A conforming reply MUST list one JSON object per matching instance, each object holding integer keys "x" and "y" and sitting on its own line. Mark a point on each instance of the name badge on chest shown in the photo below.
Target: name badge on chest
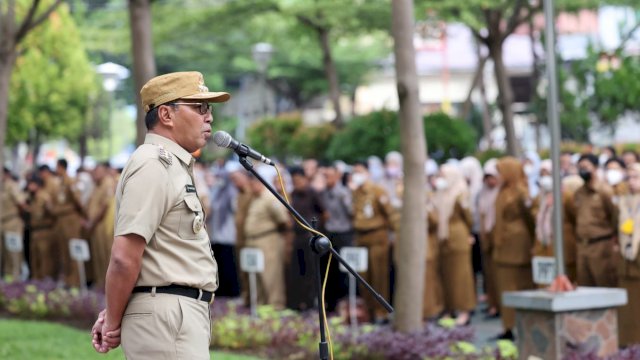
{"x": 198, "y": 221}
{"x": 190, "y": 189}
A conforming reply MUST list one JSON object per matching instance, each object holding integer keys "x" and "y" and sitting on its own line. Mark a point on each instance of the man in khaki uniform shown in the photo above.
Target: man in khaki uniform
{"x": 241, "y": 181}
{"x": 50, "y": 185}
{"x": 162, "y": 273}
{"x": 595, "y": 220}
{"x": 69, "y": 213}
{"x": 373, "y": 218}
{"x": 12, "y": 203}
{"x": 265, "y": 222}
{"x": 41, "y": 227}
{"x": 96, "y": 227}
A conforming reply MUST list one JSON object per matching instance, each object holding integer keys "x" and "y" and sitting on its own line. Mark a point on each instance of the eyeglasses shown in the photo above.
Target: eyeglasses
{"x": 203, "y": 107}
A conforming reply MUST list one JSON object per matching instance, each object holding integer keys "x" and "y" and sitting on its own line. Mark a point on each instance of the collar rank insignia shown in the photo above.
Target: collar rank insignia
{"x": 164, "y": 156}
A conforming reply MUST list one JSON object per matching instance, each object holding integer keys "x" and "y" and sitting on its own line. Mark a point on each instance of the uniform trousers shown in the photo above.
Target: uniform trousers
{"x": 596, "y": 264}
{"x": 68, "y": 227}
{"x": 271, "y": 285}
{"x": 489, "y": 273}
{"x": 41, "y": 247}
{"x": 433, "y": 303}
{"x": 377, "y": 275}
{"x": 166, "y": 326}
{"x": 11, "y": 261}
{"x": 512, "y": 278}
{"x": 629, "y": 314}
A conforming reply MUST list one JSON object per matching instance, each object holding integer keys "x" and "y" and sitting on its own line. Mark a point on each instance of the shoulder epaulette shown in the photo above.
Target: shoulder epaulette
{"x": 164, "y": 156}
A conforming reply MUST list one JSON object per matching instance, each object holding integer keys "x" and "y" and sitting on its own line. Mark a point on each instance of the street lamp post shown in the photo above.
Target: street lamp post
{"x": 261, "y": 53}
{"x": 112, "y": 74}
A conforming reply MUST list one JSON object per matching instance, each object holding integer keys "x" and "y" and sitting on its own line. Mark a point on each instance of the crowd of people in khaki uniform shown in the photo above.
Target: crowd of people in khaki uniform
{"x": 485, "y": 222}
{"x": 499, "y": 212}
{"x": 48, "y": 210}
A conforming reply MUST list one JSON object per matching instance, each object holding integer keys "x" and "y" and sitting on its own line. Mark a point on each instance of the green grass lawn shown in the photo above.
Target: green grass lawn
{"x": 33, "y": 340}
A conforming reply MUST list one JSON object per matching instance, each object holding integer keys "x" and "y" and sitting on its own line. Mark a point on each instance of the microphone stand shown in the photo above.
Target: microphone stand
{"x": 320, "y": 245}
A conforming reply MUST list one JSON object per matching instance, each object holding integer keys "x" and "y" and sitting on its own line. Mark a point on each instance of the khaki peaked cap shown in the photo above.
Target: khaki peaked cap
{"x": 187, "y": 85}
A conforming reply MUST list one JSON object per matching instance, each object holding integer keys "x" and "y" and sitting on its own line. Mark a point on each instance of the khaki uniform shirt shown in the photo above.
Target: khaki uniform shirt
{"x": 593, "y": 213}
{"x": 39, "y": 210}
{"x": 265, "y": 215}
{"x": 156, "y": 199}
{"x": 67, "y": 200}
{"x": 372, "y": 208}
{"x": 11, "y": 197}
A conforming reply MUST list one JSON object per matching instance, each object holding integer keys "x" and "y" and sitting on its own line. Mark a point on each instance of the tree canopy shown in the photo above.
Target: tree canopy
{"x": 51, "y": 83}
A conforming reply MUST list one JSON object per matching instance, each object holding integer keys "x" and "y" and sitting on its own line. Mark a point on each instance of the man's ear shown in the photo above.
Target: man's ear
{"x": 166, "y": 115}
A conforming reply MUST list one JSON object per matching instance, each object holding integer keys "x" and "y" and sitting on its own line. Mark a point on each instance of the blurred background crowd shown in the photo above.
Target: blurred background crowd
{"x": 485, "y": 224}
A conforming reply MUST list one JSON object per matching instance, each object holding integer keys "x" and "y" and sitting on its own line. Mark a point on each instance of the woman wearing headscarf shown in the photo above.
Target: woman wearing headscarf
{"x": 451, "y": 202}
{"x": 432, "y": 305}
{"x": 629, "y": 261}
{"x": 544, "y": 241}
{"x": 531, "y": 167}
{"x": 513, "y": 237}
{"x": 473, "y": 174}
{"x": 487, "y": 213}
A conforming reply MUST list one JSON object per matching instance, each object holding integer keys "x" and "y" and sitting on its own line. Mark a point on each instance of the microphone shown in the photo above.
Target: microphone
{"x": 223, "y": 139}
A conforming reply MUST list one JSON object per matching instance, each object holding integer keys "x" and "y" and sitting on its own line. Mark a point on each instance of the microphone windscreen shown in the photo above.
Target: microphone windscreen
{"x": 222, "y": 138}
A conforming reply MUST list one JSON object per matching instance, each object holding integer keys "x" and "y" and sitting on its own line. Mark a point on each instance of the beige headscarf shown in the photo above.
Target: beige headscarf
{"x": 487, "y": 198}
{"x": 445, "y": 200}
{"x": 629, "y": 211}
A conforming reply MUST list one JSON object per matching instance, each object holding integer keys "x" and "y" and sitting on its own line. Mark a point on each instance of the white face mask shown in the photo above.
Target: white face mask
{"x": 358, "y": 179}
{"x": 440, "y": 184}
{"x": 528, "y": 169}
{"x": 614, "y": 176}
{"x": 546, "y": 183}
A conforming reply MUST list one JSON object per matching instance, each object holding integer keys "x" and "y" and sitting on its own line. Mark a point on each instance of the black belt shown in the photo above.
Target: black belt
{"x": 181, "y": 290}
{"x": 369, "y": 231}
{"x": 40, "y": 227}
{"x": 599, "y": 238}
{"x": 262, "y": 234}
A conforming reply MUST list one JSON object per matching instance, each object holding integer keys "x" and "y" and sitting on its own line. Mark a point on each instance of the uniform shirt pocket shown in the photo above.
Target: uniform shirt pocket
{"x": 191, "y": 218}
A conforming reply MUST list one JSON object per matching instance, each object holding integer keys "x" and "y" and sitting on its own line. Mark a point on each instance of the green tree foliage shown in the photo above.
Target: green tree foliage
{"x": 273, "y": 136}
{"x": 216, "y": 39}
{"x": 594, "y": 88}
{"x": 312, "y": 141}
{"x": 377, "y": 134}
{"x": 372, "y": 134}
{"x": 51, "y": 83}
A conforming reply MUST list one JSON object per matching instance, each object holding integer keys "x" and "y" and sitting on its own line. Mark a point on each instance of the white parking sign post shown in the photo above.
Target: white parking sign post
{"x": 13, "y": 243}
{"x": 252, "y": 261}
{"x": 357, "y": 258}
{"x": 544, "y": 270}
{"x": 79, "y": 250}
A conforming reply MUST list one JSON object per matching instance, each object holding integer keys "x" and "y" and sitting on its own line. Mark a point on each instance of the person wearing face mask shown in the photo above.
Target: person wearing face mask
{"x": 606, "y": 154}
{"x": 514, "y": 232}
{"x": 628, "y": 261}
{"x": 374, "y": 217}
{"x": 544, "y": 219}
{"x": 616, "y": 174}
{"x": 452, "y": 206}
{"x": 531, "y": 167}
{"x": 595, "y": 220}
{"x": 487, "y": 213}
{"x": 433, "y": 303}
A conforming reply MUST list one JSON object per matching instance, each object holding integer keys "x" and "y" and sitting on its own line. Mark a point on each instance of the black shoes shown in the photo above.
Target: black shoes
{"x": 507, "y": 335}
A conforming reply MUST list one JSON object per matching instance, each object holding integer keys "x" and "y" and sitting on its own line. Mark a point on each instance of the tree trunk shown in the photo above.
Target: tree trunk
{"x": 7, "y": 61}
{"x": 505, "y": 97}
{"x": 411, "y": 243}
{"x": 468, "y": 102}
{"x": 487, "y": 123}
{"x": 332, "y": 75}
{"x": 144, "y": 64}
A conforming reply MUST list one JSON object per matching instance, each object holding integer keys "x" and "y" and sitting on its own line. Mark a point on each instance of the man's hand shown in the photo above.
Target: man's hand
{"x": 104, "y": 337}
